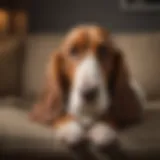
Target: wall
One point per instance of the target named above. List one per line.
(60, 15)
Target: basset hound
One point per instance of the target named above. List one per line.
(88, 89)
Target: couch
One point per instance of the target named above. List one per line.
(22, 65)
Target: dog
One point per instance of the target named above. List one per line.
(89, 91)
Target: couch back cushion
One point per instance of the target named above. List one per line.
(142, 52)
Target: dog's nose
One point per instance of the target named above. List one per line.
(89, 94)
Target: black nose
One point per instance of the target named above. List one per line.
(89, 94)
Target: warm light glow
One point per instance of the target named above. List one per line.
(4, 20)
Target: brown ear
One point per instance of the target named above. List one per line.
(50, 103)
(126, 107)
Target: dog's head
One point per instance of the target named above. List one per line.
(88, 57)
(84, 74)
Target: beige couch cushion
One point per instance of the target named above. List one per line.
(18, 133)
(141, 51)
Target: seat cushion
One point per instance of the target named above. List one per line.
(17, 132)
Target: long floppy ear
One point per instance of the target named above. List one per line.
(50, 103)
(127, 101)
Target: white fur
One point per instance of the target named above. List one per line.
(102, 134)
(70, 133)
(88, 74)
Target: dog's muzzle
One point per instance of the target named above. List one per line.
(88, 97)
(90, 94)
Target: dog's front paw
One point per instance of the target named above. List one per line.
(101, 134)
(70, 133)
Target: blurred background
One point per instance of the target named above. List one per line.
(31, 30)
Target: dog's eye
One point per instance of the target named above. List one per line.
(101, 52)
(74, 51)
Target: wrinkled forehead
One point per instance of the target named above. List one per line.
(86, 35)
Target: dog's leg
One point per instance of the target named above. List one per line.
(104, 138)
(102, 134)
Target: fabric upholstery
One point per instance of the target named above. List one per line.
(18, 133)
